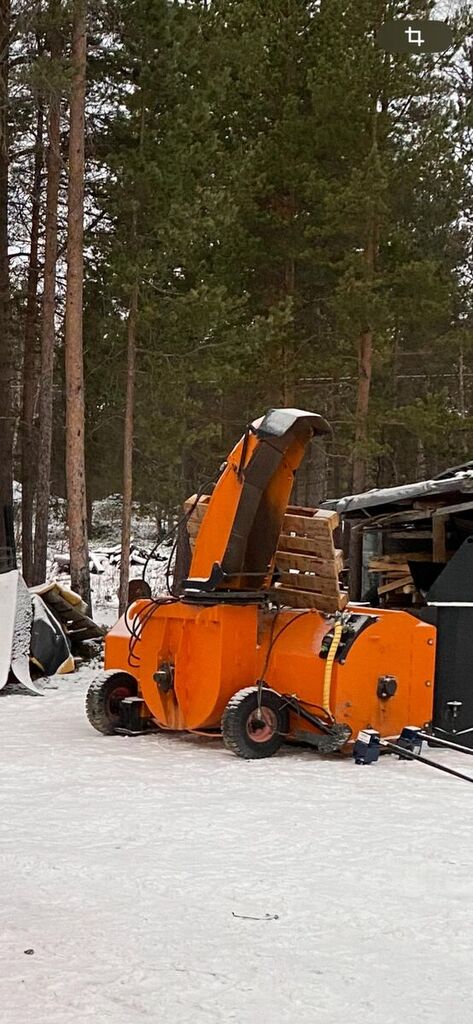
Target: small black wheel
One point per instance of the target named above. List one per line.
(251, 732)
(102, 703)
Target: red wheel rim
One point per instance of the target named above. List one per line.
(115, 697)
(262, 725)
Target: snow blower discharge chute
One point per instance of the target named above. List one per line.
(245, 652)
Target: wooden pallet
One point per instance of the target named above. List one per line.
(196, 517)
(70, 611)
(307, 560)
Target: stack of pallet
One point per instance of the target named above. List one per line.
(307, 560)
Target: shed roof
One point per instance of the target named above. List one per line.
(456, 481)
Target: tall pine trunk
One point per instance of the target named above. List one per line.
(30, 364)
(128, 429)
(128, 451)
(6, 355)
(48, 327)
(74, 358)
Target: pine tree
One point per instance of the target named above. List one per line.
(74, 369)
(48, 321)
(6, 352)
(273, 252)
(30, 358)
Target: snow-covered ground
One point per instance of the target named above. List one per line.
(130, 865)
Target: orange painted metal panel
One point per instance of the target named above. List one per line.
(219, 650)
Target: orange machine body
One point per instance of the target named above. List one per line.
(190, 657)
(217, 651)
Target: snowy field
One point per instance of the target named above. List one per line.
(130, 865)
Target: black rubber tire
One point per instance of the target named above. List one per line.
(100, 708)
(239, 712)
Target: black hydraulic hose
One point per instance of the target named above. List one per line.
(410, 756)
(294, 704)
(446, 743)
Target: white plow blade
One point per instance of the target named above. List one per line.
(16, 618)
(8, 591)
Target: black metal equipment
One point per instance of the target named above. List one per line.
(435, 741)
(451, 597)
(406, 755)
(410, 741)
(368, 747)
(132, 720)
(352, 626)
(366, 750)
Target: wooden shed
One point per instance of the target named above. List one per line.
(397, 540)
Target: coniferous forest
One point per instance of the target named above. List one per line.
(211, 208)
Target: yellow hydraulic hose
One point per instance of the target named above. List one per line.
(337, 635)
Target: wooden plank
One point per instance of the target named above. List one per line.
(302, 581)
(400, 558)
(403, 581)
(307, 599)
(201, 506)
(308, 545)
(450, 510)
(188, 505)
(305, 527)
(308, 563)
(198, 515)
(319, 515)
(406, 516)
(303, 510)
(193, 528)
(399, 569)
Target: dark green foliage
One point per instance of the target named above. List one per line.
(241, 156)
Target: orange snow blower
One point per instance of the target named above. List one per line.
(231, 656)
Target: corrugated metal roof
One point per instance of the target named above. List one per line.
(461, 482)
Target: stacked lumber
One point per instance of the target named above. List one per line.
(393, 571)
(308, 563)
